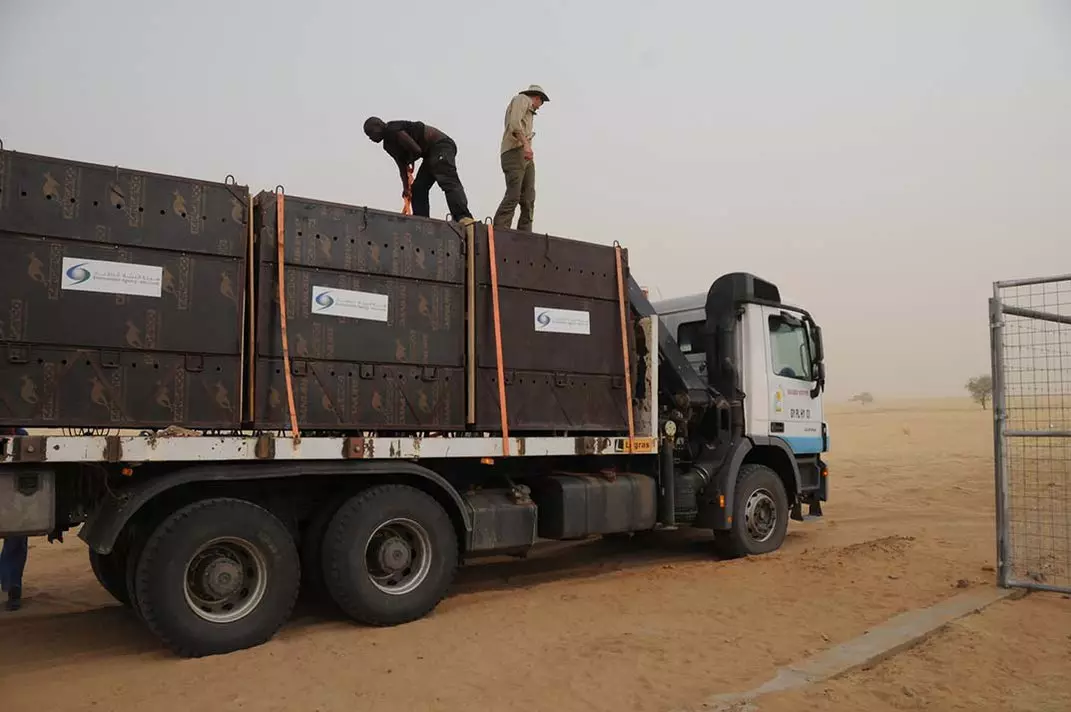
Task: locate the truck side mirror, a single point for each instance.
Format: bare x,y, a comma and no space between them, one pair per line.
816,337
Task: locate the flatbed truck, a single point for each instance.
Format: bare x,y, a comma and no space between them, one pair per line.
209,537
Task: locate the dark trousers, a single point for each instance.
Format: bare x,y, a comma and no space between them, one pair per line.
440,166
13,562
520,190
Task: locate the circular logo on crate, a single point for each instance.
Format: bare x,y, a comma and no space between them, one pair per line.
324,300
543,319
78,274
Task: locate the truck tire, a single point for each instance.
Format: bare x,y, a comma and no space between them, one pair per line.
312,541
110,570
760,514
389,555
217,576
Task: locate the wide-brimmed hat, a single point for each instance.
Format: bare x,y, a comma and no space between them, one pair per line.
536,90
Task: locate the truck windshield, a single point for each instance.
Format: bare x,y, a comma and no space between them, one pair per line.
789,349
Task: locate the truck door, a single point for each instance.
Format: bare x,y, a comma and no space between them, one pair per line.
795,399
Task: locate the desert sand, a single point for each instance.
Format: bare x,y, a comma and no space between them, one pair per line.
652,625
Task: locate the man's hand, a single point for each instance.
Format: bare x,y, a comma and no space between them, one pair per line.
529,155
407,192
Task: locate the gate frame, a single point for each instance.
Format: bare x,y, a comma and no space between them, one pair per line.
997,311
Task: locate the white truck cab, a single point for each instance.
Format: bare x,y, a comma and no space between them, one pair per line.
775,355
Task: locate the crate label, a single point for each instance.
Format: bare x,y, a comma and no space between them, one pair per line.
112,277
562,321
330,301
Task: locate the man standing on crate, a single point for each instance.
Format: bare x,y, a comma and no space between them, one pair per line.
407,141
518,159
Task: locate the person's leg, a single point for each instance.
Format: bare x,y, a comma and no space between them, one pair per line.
513,170
444,167
12,565
528,195
421,190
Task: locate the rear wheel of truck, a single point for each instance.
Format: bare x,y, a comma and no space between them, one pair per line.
760,514
216,576
389,555
110,570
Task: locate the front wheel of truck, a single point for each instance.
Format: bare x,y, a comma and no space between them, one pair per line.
760,514
389,555
216,576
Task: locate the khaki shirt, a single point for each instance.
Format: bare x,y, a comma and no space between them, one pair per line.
519,117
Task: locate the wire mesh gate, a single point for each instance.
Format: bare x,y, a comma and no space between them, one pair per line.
1030,331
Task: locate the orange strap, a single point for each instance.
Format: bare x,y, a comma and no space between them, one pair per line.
498,339
407,203
624,346
280,243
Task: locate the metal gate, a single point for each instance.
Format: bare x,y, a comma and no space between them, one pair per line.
1030,332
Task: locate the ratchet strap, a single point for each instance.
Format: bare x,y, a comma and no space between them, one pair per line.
622,308
280,243
498,338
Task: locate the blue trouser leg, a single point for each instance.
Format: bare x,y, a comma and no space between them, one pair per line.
13,562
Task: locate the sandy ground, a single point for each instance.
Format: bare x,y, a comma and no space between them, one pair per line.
602,626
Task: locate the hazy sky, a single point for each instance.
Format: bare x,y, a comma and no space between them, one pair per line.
882,162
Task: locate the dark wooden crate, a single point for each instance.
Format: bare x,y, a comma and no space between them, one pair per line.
55,197
47,387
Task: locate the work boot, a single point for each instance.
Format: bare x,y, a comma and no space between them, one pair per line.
14,599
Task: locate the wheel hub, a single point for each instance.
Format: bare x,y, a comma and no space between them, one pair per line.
395,554
222,576
226,579
398,556
760,515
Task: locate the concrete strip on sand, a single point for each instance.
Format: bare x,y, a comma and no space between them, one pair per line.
889,638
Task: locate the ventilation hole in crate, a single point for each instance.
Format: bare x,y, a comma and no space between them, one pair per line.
63,362
369,243
204,218
48,197
133,365
155,365
183,216
335,238
332,373
219,369
163,212
386,246
403,247
141,210
24,194
96,203
277,372
223,220
118,206
448,254
73,201
88,363
317,236
433,252
40,361
300,233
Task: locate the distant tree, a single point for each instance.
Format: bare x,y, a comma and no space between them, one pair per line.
864,398
981,389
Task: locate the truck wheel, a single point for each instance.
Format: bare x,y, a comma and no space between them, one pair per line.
760,514
216,576
389,555
110,570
